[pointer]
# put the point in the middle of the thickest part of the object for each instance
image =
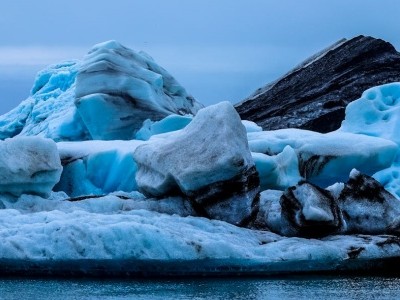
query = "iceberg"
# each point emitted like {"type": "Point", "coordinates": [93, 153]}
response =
{"type": "Point", "coordinates": [125, 88]}
{"type": "Point", "coordinates": [278, 171]}
{"type": "Point", "coordinates": [111, 168]}
{"type": "Point", "coordinates": [106, 96]}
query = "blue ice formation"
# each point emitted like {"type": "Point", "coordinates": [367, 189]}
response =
{"type": "Point", "coordinates": [117, 89]}
{"type": "Point", "coordinates": [105, 96]}
{"type": "Point", "coordinates": [49, 111]}
{"type": "Point", "coordinates": [277, 172]}
{"type": "Point", "coordinates": [377, 114]}
{"type": "Point", "coordinates": [282, 157]}
{"type": "Point", "coordinates": [97, 167]}
{"type": "Point", "coordinates": [29, 165]}
{"type": "Point", "coordinates": [323, 159]}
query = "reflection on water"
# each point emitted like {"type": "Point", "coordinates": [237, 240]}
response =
{"type": "Point", "coordinates": [316, 287]}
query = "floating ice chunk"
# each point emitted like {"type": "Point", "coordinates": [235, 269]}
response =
{"type": "Point", "coordinates": [376, 113]}
{"type": "Point", "coordinates": [208, 161]}
{"type": "Point", "coordinates": [50, 110]}
{"type": "Point", "coordinates": [28, 165]}
{"type": "Point", "coordinates": [82, 240]}
{"type": "Point", "coordinates": [106, 96]}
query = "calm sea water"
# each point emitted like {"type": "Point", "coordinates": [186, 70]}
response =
{"type": "Point", "coordinates": [318, 287]}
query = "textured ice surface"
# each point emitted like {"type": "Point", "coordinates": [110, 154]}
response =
{"type": "Point", "coordinates": [196, 156]}
{"type": "Point", "coordinates": [28, 165]}
{"type": "Point", "coordinates": [377, 113]}
{"type": "Point", "coordinates": [309, 211]}
{"type": "Point", "coordinates": [208, 161]}
{"type": "Point", "coordinates": [118, 88]}
{"type": "Point", "coordinates": [115, 89]}
{"type": "Point", "coordinates": [327, 158]}
{"type": "Point", "coordinates": [50, 110]}
{"type": "Point", "coordinates": [112, 231]}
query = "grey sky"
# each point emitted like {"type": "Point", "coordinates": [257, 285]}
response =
{"type": "Point", "coordinates": [219, 50]}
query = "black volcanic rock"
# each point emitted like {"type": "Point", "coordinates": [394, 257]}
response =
{"type": "Point", "coordinates": [314, 95]}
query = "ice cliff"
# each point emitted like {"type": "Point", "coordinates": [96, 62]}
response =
{"type": "Point", "coordinates": [111, 168]}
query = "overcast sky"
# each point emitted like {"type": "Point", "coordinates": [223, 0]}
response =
{"type": "Point", "coordinates": [217, 49]}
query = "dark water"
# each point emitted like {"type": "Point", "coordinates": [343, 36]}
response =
{"type": "Point", "coordinates": [318, 287]}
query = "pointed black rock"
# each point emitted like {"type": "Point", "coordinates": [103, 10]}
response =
{"type": "Point", "coordinates": [314, 95]}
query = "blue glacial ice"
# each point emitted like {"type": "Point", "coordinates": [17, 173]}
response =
{"type": "Point", "coordinates": [97, 167]}
{"type": "Point", "coordinates": [113, 233]}
{"type": "Point", "coordinates": [377, 113]}
{"type": "Point", "coordinates": [279, 171]}
{"type": "Point", "coordinates": [323, 159]}
{"type": "Point", "coordinates": [143, 179]}
{"type": "Point", "coordinates": [122, 86]}
{"type": "Point", "coordinates": [168, 124]}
